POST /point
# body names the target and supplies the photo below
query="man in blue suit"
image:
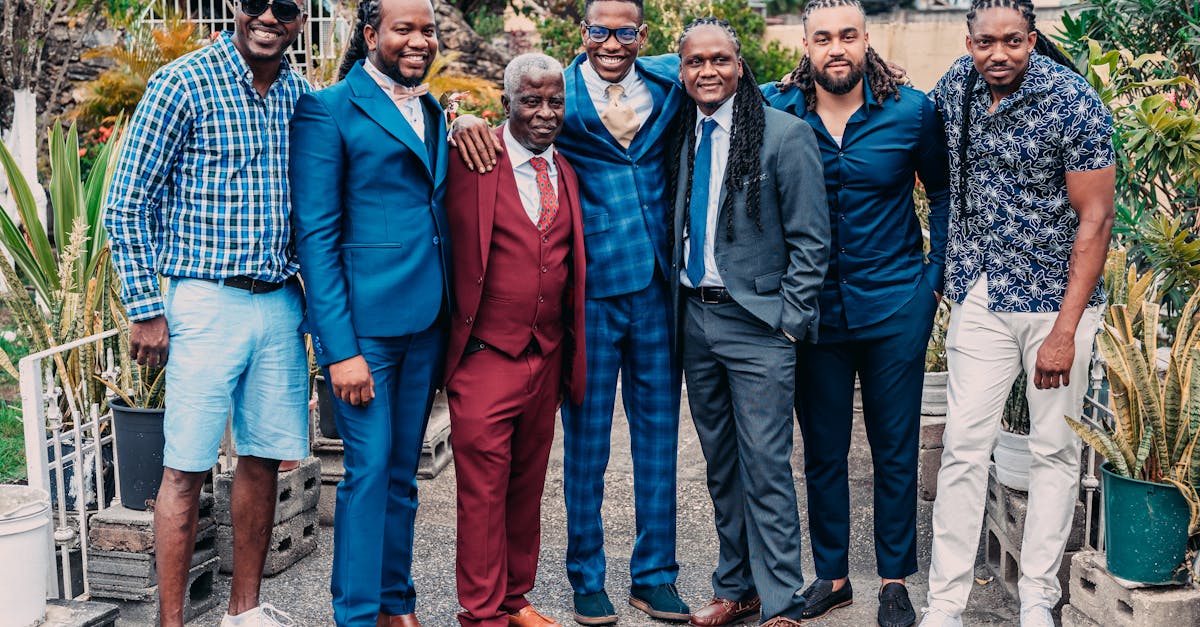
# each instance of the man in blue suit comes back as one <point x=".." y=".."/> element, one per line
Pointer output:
<point x="369" y="159"/>
<point x="619" y="111"/>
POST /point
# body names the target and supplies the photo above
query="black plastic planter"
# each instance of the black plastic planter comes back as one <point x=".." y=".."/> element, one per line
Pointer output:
<point x="139" y="453"/>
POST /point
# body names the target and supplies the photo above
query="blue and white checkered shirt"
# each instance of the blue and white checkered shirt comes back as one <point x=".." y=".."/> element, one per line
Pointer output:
<point x="201" y="187"/>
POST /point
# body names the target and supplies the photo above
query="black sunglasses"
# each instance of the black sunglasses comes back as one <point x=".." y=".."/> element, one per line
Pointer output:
<point x="600" y="34"/>
<point x="283" y="11"/>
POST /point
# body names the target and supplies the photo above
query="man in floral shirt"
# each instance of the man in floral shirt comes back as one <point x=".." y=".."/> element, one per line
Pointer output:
<point x="1032" y="168"/>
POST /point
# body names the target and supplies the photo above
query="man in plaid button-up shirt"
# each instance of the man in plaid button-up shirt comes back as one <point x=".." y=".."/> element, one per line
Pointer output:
<point x="201" y="197"/>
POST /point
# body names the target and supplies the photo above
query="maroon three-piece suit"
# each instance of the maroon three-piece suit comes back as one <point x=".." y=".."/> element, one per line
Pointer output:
<point x="516" y="344"/>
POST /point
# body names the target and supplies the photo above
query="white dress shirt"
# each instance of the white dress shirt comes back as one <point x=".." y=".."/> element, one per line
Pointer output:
<point x="412" y="110"/>
<point x="720" y="157"/>
<point x="531" y="198"/>
<point x="636" y="95"/>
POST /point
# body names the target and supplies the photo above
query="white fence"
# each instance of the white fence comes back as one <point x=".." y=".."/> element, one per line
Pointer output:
<point x="71" y="463"/>
<point x="323" y="38"/>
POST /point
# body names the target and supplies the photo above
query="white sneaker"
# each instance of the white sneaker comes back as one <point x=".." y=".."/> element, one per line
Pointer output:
<point x="1036" y="616"/>
<point x="264" y="615"/>
<point x="938" y="618"/>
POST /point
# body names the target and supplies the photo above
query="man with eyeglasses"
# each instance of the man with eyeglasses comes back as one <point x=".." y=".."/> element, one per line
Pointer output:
<point x="200" y="196"/>
<point x="619" y="112"/>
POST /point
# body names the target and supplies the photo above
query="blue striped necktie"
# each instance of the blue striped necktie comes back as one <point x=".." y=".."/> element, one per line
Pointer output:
<point x="698" y="206"/>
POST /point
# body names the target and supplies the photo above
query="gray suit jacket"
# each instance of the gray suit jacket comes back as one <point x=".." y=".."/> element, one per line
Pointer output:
<point x="775" y="274"/>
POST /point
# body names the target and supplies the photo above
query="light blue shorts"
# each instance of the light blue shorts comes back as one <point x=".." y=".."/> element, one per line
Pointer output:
<point x="233" y="350"/>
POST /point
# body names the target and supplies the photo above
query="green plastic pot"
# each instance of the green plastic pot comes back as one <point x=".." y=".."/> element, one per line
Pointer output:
<point x="1145" y="528"/>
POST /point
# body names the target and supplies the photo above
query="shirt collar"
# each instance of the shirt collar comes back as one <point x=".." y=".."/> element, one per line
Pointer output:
<point x="591" y="76"/>
<point x="520" y="155"/>
<point x="723" y="116"/>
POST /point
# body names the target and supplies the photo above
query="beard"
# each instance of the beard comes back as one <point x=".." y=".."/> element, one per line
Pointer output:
<point x="392" y="70"/>
<point x="843" y="85"/>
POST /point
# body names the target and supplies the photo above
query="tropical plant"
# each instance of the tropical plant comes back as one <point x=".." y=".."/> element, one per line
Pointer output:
<point x="142" y="50"/>
<point x="1141" y="56"/>
<point x="71" y="292"/>
<point x="935" y="350"/>
<point x="1156" y="419"/>
<point x="1015" y="418"/>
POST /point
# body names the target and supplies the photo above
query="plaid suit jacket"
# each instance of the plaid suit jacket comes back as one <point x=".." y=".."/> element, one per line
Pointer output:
<point x="623" y="192"/>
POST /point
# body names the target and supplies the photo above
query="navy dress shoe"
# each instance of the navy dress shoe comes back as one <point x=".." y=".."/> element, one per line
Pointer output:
<point x="821" y="599"/>
<point x="895" y="610"/>
<point x="594" y="609"/>
<point x="661" y="602"/>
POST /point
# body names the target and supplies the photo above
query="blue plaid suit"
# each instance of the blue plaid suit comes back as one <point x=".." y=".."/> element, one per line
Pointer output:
<point x="628" y="316"/>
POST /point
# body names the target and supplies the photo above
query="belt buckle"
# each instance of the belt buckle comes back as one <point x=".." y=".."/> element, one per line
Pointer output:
<point x="704" y="297"/>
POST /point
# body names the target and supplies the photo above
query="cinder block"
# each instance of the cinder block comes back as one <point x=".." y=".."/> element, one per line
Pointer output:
<point x="119" y="528"/>
<point x="330" y="453"/>
<point x="1072" y="617"/>
<point x="1009" y="507"/>
<point x="291" y="541"/>
<point x="1003" y="557"/>
<point x="328" y="502"/>
<point x="1100" y="597"/>
<point x="297" y="491"/>
<point x="929" y="462"/>
<point x="139" y="607"/>
<point x="435" y="449"/>
<point x="932" y="428"/>
<point x="137" y="570"/>
<point x="69" y="613"/>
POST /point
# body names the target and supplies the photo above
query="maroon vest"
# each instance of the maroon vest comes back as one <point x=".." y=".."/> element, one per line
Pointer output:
<point x="527" y="276"/>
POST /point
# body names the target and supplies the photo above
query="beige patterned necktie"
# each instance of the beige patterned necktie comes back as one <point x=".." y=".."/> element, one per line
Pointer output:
<point x="619" y="119"/>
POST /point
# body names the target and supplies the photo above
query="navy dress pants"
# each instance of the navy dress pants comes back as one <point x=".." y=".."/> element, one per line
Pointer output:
<point x="889" y="359"/>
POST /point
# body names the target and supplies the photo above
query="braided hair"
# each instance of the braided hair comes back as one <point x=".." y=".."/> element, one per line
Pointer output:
<point x="744" y="167"/>
<point x="368" y="13"/>
<point x="1042" y="45"/>
<point x="640" y="4"/>
<point x="875" y="71"/>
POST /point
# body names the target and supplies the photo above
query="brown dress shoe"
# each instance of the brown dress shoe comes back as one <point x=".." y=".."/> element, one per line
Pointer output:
<point x="401" y="620"/>
<point x="529" y="617"/>
<point x="781" y="621"/>
<point x="725" y="612"/>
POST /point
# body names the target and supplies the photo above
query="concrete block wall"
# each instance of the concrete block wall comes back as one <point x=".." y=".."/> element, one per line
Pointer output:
<point x="1102" y="599"/>
<point x="294" y="531"/>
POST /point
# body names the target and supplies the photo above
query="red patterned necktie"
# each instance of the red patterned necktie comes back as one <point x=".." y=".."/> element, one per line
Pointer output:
<point x="545" y="193"/>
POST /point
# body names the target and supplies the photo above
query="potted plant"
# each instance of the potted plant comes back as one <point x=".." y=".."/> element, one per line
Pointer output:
<point x="933" y="392"/>
<point x="1012" y="454"/>
<point x="1151" y="506"/>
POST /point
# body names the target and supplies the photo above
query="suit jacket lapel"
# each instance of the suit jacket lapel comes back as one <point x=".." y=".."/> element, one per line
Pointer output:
<point x="488" y="184"/>
<point x="436" y="122"/>
<point x="376" y="105"/>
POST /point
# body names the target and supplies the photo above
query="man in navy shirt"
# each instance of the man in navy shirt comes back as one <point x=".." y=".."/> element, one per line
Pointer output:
<point x="878" y="298"/>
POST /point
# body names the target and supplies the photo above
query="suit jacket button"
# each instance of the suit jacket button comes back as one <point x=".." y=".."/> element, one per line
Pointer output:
<point x="435" y="240"/>
<point x="479" y="281"/>
<point x="470" y="320"/>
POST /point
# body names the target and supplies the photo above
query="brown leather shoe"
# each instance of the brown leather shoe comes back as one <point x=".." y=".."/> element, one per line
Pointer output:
<point x="725" y="612"/>
<point x="401" y="620"/>
<point x="782" y="621"/>
<point x="529" y="617"/>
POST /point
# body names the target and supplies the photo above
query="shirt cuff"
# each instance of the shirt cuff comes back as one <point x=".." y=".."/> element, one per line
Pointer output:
<point x="145" y="307"/>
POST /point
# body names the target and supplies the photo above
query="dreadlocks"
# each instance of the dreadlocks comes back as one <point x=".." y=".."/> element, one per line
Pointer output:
<point x="744" y="168"/>
<point x="875" y="71"/>
<point x="368" y="13"/>
<point x="1042" y="46"/>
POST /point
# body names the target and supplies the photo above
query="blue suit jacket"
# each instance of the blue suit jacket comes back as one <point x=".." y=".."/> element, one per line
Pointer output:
<point x="367" y="206"/>
<point x="623" y="192"/>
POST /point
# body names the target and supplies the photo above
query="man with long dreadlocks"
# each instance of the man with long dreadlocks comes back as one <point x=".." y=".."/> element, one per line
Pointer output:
<point x="368" y="187"/>
<point x="877" y="302"/>
<point x="1034" y="180"/>
<point x="751" y="239"/>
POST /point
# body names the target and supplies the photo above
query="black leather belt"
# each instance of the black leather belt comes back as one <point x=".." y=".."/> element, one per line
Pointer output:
<point x="252" y="285"/>
<point x="709" y="295"/>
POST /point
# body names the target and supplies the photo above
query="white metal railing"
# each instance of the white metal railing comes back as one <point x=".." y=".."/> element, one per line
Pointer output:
<point x="322" y="38"/>
<point x="1096" y="413"/>
<point x="81" y="447"/>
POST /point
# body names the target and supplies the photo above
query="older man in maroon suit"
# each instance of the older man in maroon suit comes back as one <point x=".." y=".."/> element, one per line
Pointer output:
<point x="516" y="342"/>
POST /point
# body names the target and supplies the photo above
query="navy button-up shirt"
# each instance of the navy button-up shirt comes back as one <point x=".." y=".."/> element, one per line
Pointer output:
<point x="877" y="253"/>
<point x="1018" y="225"/>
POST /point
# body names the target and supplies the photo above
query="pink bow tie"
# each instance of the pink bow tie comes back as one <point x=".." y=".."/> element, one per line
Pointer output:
<point x="401" y="94"/>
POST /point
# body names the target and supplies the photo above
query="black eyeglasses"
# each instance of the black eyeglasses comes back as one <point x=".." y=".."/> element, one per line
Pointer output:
<point x="600" y="34"/>
<point x="283" y="11"/>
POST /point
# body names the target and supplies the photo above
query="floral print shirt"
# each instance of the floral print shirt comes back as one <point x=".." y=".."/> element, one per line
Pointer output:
<point x="1017" y="225"/>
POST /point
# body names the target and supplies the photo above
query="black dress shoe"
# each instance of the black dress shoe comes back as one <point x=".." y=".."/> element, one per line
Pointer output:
<point x="820" y="598"/>
<point x="895" y="610"/>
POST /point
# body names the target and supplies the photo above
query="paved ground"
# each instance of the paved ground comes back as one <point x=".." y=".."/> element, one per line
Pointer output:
<point x="303" y="590"/>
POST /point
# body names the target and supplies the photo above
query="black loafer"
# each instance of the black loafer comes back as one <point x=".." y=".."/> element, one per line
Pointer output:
<point x="821" y="599"/>
<point x="895" y="610"/>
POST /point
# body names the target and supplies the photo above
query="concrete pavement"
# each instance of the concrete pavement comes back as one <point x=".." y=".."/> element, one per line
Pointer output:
<point x="303" y="590"/>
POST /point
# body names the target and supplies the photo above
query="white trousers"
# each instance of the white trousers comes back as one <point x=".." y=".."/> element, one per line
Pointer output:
<point x="985" y="351"/>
